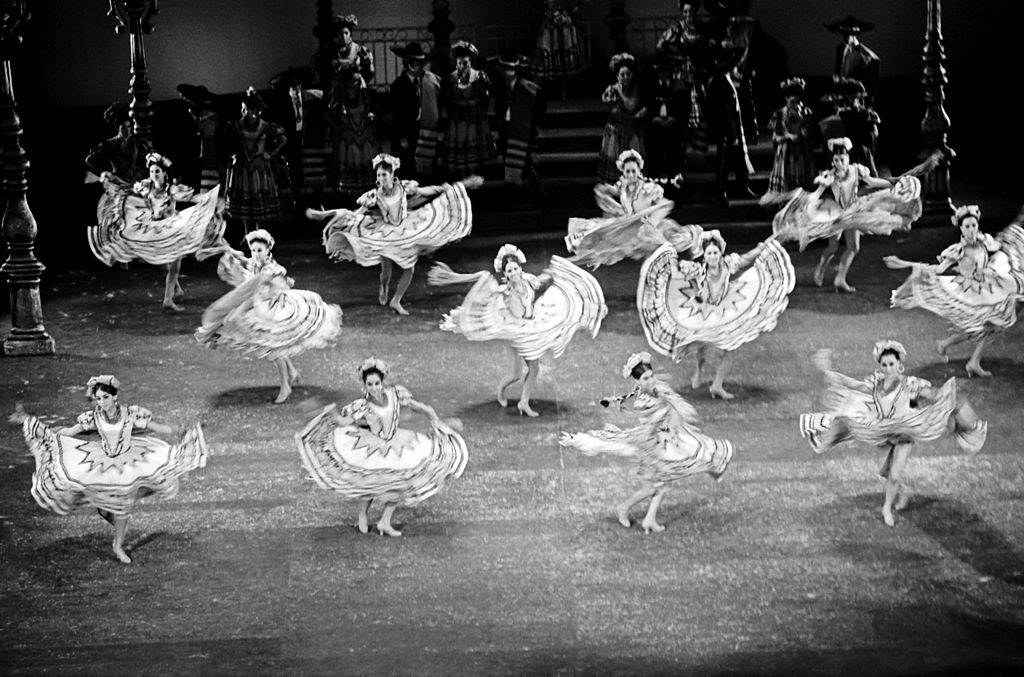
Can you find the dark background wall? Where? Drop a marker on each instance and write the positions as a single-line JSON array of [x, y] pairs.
[[72, 65]]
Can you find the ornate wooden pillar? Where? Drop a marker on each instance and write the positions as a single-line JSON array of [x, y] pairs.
[[28, 336], [935, 125], [324, 32], [133, 16], [616, 21], [441, 27]]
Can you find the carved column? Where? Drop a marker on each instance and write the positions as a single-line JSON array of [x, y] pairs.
[[28, 336], [324, 32], [616, 21], [133, 16], [935, 125], [441, 27]]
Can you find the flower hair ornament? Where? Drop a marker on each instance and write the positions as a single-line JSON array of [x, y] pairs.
[[506, 251], [966, 211], [158, 159], [794, 85], [620, 60], [634, 360], [629, 155], [260, 235], [373, 363], [349, 20], [462, 48], [889, 344], [102, 380], [384, 158], [839, 142], [709, 236]]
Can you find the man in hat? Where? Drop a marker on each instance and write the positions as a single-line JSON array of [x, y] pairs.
[[853, 59], [669, 109], [415, 112], [726, 122], [519, 106], [124, 154], [294, 106]]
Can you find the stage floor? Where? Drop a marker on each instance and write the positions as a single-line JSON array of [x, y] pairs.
[[520, 566]]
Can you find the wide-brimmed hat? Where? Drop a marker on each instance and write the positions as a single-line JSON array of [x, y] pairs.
[[297, 75], [412, 51], [508, 58], [851, 25], [197, 95]]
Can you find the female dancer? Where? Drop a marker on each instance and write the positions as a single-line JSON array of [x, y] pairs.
[[252, 186], [533, 313], [113, 472], [142, 221], [635, 220], [667, 445], [791, 133], [383, 230], [980, 300], [352, 123], [892, 411], [465, 97], [893, 205], [724, 301], [361, 452], [347, 52], [263, 316], [623, 129]]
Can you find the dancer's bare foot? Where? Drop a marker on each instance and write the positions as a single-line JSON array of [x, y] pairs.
[[286, 390], [974, 369], [719, 391], [387, 529], [902, 501], [397, 307], [293, 377], [887, 516], [843, 286], [525, 410], [652, 525], [942, 347], [171, 307], [122, 555], [382, 295], [623, 514], [502, 399], [695, 381], [363, 525]]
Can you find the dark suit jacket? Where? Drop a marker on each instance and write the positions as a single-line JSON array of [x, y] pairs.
[[862, 65]]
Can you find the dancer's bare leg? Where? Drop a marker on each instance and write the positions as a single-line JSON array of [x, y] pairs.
[[974, 364], [384, 524], [363, 522], [120, 529], [640, 494], [516, 375], [728, 357], [650, 522], [400, 288], [385, 281], [170, 283], [826, 258], [293, 372], [532, 369], [894, 482], [852, 240], [701, 355], [943, 345], [286, 389]]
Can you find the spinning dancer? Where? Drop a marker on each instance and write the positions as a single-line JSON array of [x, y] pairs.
[[263, 316], [724, 301], [141, 221], [980, 300], [534, 314], [635, 220], [893, 205], [891, 411], [361, 452], [385, 231], [113, 472], [667, 445]]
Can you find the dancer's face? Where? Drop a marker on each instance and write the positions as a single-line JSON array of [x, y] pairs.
[[106, 402], [513, 271], [840, 162], [374, 386], [462, 65], [157, 175], [385, 178], [346, 36], [646, 381], [890, 365], [250, 114], [969, 230], [712, 255], [259, 251], [631, 172], [624, 77]]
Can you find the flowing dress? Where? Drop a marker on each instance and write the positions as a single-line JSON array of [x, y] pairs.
[[635, 223], [680, 305], [533, 323], [866, 412], [981, 298], [374, 458], [668, 444], [355, 139], [468, 143], [881, 212], [263, 316], [142, 222], [558, 44], [621, 132], [252, 186], [391, 230], [113, 471]]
